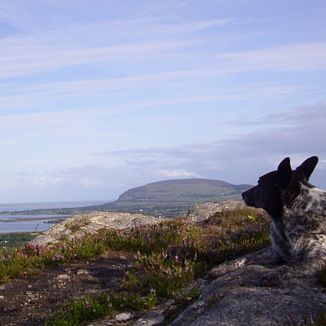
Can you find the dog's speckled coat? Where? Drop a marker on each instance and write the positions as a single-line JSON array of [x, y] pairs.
[[298, 233]]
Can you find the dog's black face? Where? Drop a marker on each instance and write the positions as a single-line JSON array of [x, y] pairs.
[[265, 195], [280, 187]]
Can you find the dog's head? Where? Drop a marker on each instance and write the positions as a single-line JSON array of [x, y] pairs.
[[278, 188]]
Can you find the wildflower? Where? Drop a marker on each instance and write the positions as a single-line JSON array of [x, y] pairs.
[[57, 257]]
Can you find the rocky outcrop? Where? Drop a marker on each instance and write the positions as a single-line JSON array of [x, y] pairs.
[[79, 225], [236, 300], [202, 211]]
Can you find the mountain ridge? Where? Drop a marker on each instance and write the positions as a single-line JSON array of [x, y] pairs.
[[170, 198]]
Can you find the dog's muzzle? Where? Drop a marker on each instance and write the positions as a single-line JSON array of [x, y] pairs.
[[244, 195], [247, 197]]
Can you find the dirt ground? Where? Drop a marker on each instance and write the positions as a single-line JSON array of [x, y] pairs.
[[30, 301]]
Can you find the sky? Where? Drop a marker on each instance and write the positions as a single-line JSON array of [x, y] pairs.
[[97, 97]]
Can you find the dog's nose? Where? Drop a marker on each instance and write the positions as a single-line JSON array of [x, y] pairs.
[[244, 194]]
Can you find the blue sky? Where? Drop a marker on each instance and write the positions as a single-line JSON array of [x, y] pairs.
[[100, 96]]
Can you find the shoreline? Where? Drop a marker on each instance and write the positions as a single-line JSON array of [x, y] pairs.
[[28, 219]]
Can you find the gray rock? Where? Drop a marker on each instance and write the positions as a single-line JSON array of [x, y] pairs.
[[124, 316], [235, 300], [152, 318], [81, 224], [202, 211]]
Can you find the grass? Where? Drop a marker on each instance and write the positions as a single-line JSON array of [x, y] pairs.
[[94, 307], [171, 255]]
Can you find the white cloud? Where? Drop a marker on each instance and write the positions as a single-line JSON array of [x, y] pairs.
[[46, 181], [178, 173], [92, 183]]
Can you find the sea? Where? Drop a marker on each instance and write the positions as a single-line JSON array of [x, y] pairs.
[[35, 223]]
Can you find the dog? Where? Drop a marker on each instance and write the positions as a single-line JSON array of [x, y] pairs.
[[298, 233]]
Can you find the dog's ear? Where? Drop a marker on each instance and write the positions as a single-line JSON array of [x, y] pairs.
[[285, 173], [308, 166]]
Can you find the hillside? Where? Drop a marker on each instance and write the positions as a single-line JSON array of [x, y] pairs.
[[171, 198], [166, 272]]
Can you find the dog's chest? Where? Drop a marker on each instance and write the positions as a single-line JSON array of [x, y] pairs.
[[283, 243], [290, 240]]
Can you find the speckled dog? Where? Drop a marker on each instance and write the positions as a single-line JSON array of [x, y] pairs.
[[298, 213]]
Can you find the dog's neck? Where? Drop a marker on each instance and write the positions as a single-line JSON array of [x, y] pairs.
[[309, 199]]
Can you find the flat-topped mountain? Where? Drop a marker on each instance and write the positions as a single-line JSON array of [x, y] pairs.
[[171, 198], [181, 190]]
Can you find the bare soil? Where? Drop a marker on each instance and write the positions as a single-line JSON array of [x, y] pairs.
[[30, 301]]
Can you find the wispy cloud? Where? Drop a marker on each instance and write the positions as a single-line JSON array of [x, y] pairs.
[[90, 43], [239, 159], [295, 57], [156, 89], [294, 133], [30, 57]]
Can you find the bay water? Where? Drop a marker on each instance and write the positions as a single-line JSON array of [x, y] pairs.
[[30, 222]]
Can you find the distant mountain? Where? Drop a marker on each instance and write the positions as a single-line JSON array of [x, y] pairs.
[[171, 198]]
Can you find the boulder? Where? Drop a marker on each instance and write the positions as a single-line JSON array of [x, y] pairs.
[[79, 225], [202, 211]]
